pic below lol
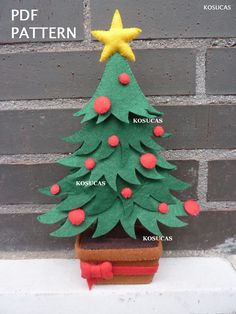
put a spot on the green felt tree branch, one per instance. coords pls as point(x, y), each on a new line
point(98, 190)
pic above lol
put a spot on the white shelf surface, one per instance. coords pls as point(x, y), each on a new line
point(183, 285)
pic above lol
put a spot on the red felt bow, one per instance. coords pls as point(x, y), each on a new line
point(105, 271)
point(99, 271)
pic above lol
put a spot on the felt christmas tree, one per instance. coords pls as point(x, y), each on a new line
point(118, 174)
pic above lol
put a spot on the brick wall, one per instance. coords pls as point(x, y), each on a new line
point(186, 65)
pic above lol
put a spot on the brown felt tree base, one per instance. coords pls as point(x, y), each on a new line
point(127, 280)
point(121, 251)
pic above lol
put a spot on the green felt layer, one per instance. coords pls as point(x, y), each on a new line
point(108, 208)
point(116, 167)
point(115, 164)
point(133, 134)
point(125, 99)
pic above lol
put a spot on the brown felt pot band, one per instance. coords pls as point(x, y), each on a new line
point(119, 279)
point(113, 255)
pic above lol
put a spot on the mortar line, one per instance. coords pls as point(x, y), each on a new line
point(183, 154)
point(70, 254)
point(88, 45)
point(18, 255)
point(201, 73)
point(200, 154)
point(202, 184)
point(42, 104)
point(6, 209)
point(77, 103)
point(219, 205)
point(25, 208)
point(193, 100)
point(87, 20)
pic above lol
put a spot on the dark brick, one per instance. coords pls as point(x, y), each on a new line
point(22, 232)
point(197, 127)
point(51, 13)
point(188, 172)
point(37, 131)
point(221, 180)
point(167, 18)
point(41, 131)
point(20, 183)
point(49, 75)
point(221, 71)
point(165, 71)
point(76, 74)
point(205, 231)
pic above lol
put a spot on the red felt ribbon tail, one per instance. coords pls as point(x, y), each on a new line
point(90, 283)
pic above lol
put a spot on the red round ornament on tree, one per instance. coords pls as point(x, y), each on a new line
point(192, 207)
point(76, 216)
point(148, 161)
point(163, 208)
point(89, 163)
point(158, 131)
point(126, 192)
point(124, 78)
point(102, 105)
point(55, 189)
point(113, 140)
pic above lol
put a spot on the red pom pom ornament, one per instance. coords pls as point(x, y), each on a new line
point(124, 78)
point(102, 105)
point(163, 208)
point(158, 131)
point(148, 160)
point(113, 140)
point(126, 192)
point(55, 189)
point(76, 216)
point(192, 207)
point(89, 163)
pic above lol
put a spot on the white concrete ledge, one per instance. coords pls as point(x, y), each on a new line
point(184, 285)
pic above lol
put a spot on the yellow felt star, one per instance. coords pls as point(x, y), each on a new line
point(116, 39)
